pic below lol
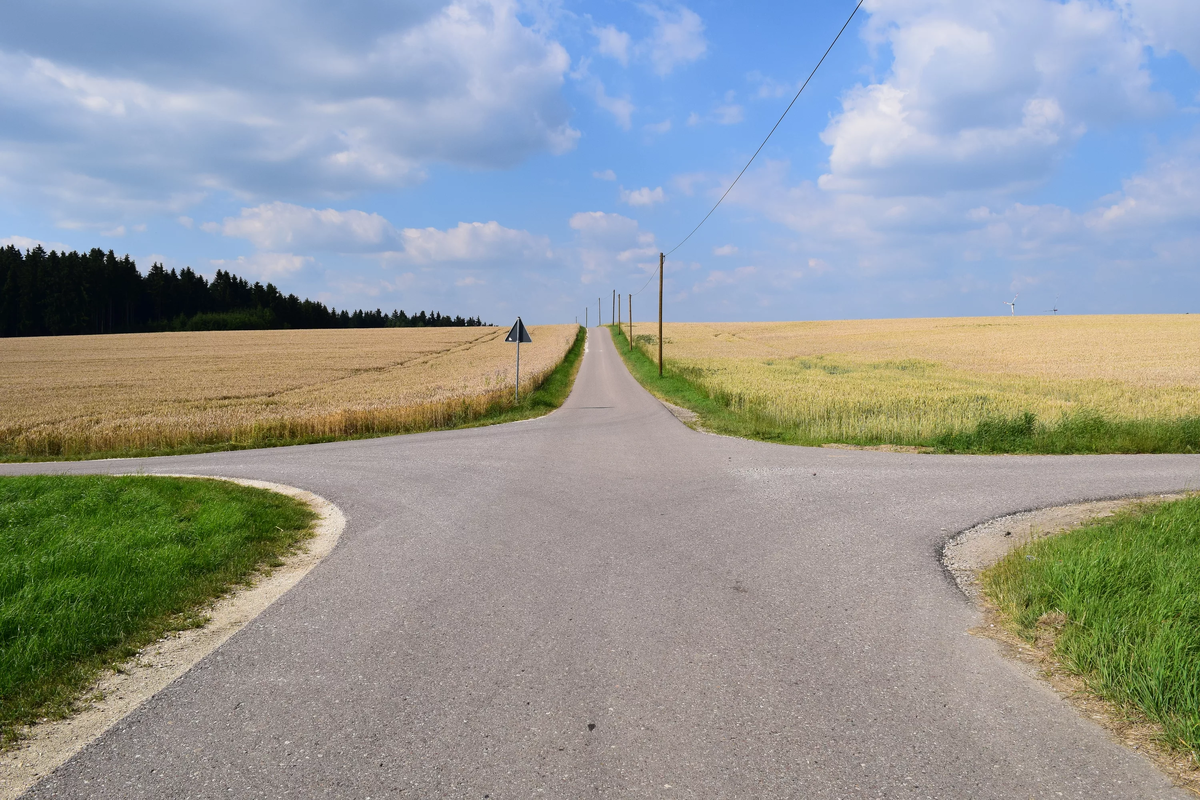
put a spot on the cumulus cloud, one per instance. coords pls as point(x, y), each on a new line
point(314, 102)
point(1167, 25)
point(608, 242)
point(276, 226)
point(644, 196)
point(725, 250)
point(988, 94)
point(279, 226)
point(621, 108)
point(613, 43)
point(678, 38)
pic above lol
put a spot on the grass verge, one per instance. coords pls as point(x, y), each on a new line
point(94, 567)
point(496, 408)
point(1082, 433)
point(1122, 600)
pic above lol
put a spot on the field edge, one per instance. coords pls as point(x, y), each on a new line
point(546, 395)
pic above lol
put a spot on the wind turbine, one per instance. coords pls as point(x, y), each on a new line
point(1054, 310)
point(1013, 305)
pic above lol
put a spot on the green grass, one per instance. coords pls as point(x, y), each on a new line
point(1129, 588)
point(546, 397)
point(1081, 433)
point(94, 567)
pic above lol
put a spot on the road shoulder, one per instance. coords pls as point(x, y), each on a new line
point(119, 692)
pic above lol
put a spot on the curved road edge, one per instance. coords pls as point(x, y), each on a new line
point(969, 552)
point(154, 668)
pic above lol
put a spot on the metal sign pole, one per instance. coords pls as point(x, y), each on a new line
point(517, 388)
point(518, 334)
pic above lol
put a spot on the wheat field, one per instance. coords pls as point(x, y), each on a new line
point(909, 380)
point(76, 395)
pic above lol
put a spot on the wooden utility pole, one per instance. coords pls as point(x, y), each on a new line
point(618, 310)
point(630, 323)
point(661, 259)
point(613, 316)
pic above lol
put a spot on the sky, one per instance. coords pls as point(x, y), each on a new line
point(505, 157)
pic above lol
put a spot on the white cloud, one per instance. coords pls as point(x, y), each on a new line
point(303, 104)
point(728, 114)
point(608, 242)
point(678, 38)
point(279, 226)
point(186, 222)
point(620, 107)
point(725, 250)
point(264, 266)
point(275, 226)
point(989, 94)
point(613, 43)
point(606, 175)
point(117, 231)
point(480, 242)
point(25, 243)
point(1167, 25)
point(642, 197)
point(659, 127)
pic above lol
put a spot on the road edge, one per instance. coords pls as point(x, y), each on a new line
point(969, 552)
point(119, 692)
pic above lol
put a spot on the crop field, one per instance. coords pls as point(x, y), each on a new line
point(78, 395)
point(1112, 383)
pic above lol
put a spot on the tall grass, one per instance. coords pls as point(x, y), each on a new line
point(884, 388)
point(1129, 589)
point(91, 568)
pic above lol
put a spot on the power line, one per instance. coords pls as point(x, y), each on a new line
point(764, 142)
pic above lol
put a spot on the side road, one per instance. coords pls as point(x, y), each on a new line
point(603, 602)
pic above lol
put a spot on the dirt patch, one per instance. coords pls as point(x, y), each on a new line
point(974, 550)
point(880, 448)
point(686, 416)
point(47, 745)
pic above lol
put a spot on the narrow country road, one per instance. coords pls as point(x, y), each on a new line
point(603, 603)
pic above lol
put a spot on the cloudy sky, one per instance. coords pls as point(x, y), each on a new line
point(497, 157)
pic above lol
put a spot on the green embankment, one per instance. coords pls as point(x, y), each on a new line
point(546, 397)
point(94, 567)
point(1081, 433)
point(1126, 594)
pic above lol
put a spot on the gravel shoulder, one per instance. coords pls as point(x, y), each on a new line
point(972, 551)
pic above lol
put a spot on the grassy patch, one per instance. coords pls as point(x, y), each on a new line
point(94, 567)
point(885, 422)
point(1125, 594)
point(495, 408)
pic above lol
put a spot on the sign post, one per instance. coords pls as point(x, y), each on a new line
point(518, 334)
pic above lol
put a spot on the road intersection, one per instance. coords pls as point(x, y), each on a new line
point(604, 603)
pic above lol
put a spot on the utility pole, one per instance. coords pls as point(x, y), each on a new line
point(630, 323)
point(613, 316)
point(661, 259)
point(618, 310)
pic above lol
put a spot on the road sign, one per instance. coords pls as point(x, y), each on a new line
point(518, 334)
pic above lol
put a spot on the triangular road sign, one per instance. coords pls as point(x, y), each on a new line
point(518, 333)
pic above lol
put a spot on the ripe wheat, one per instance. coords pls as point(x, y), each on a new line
point(76, 395)
point(901, 381)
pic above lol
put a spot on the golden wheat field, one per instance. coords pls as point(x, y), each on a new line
point(910, 379)
point(87, 394)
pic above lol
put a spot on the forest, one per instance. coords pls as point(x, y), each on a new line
point(53, 294)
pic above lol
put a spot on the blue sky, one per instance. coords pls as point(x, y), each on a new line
point(499, 157)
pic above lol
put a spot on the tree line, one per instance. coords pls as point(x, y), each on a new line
point(52, 294)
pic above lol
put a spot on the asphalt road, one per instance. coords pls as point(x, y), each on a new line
point(603, 603)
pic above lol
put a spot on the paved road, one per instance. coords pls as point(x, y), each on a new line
point(735, 619)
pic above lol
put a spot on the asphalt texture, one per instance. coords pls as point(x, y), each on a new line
point(604, 603)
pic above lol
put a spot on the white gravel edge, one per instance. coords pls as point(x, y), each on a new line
point(50, 744)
